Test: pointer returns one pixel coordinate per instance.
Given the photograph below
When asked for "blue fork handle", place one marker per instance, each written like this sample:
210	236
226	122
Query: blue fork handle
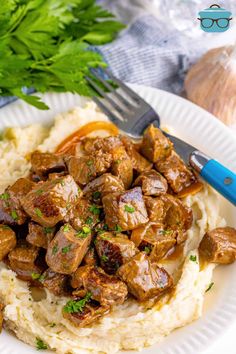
217	175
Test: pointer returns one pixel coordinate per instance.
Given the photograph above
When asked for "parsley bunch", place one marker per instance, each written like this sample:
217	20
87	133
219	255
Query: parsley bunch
44	45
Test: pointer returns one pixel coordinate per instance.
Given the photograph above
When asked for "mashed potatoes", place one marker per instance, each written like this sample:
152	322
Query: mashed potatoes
128	326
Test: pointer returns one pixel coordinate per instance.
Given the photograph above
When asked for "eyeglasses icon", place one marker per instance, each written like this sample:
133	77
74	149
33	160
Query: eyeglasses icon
209	22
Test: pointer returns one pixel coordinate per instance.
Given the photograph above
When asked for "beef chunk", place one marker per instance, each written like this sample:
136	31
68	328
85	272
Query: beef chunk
22	260
89	314
155	145
83	213
67	249
85	168
82	169
40	236
155	241
43	163
106	145
178	215
104	288
176	172
140	164
219	245
49	202
152	183
156	209
122	166
114	250
1	316
7	241
144	279
11	211
90	258
125	210
103	185
55	283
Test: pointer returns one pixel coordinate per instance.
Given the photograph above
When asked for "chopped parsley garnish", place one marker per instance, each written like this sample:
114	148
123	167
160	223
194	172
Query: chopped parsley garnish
193	258
38	212
52	325
117	162
66	228
129	209
89	220
84	232
104	237
47	230
165	232
79	190
209	287
66	249
39	192
95	210
104	258
96	195
105	227
147	250
89	162
73	306
5	227
5	196
14	215
62	183
40	345
37	276
68	206
55	249
118	228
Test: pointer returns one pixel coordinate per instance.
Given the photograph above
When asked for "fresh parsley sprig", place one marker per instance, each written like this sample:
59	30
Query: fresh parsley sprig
44	45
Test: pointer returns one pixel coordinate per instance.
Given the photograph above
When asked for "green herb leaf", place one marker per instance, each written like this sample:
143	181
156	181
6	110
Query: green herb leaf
38	212
209	287
52	325
193	258
37	276
5	227
89	220
5	196
48	230
39	192
14	215
165	232
129	209
118	228
104	258
95	210
147	250
84	232
66	249
40	345
54	249
96	195
73	306
66	228
89	162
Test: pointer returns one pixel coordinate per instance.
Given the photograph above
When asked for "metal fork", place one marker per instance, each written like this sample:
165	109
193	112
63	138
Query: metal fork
132	114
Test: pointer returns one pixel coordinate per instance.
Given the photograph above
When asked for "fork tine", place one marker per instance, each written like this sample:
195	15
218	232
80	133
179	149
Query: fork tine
111	89
107	111
104	95
130	92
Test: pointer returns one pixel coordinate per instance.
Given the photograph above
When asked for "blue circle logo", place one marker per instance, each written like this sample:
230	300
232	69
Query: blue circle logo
215	19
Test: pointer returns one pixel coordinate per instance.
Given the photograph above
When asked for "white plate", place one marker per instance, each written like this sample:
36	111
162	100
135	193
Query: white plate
201	129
